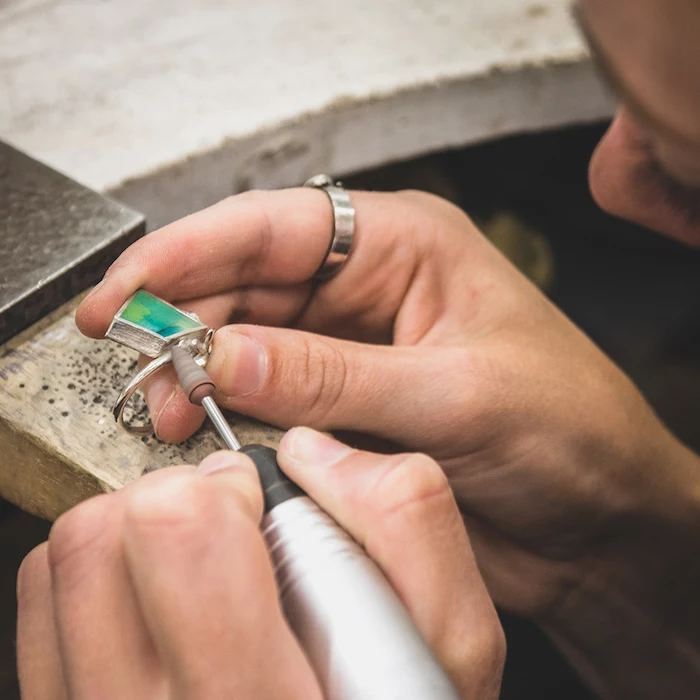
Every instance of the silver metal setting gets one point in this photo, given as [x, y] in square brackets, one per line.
[343, 226]
[200, 347]
[148, 342]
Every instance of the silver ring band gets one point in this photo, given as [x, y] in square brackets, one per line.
[343, 226]
[202, 347]
[130, 389]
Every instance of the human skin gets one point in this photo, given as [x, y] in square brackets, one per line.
[164, 590]
[647, 168]
[570, 485]
[583, 510]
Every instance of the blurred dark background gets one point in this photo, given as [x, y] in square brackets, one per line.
[634, 292]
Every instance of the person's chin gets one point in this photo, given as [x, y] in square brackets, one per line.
[626, 182]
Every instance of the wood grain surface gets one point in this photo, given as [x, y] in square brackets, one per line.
[58, 441]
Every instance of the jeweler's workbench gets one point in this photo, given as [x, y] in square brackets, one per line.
[58, 441]
[172, 106]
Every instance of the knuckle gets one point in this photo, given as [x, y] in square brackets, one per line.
[322, 379]
[489, 656]
[256, 196]
[176, 502]
[418, 197]
[185, 507]
[499, 649]
[476, 659]
[254, 206]
[414, 484]
[253, 202]
[127, 259]
[82, 533]
[432, 203]
[493, 646]
[33, 574]
[441, 227]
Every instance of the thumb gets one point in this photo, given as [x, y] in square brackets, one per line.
[401, 508]
[288, 377]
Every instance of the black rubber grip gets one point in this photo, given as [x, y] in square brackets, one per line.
[277, 487]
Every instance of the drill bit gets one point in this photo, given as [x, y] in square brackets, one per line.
[199, 389]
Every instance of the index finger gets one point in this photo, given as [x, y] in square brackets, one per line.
[276, 237]
[206, 586]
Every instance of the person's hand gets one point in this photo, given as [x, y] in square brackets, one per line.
[165, 589]
[548, 446]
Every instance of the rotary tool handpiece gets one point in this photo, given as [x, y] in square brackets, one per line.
[358, 637]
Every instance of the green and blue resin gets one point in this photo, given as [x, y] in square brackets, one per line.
[155, 315]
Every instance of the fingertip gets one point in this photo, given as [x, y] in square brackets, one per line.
[238, 473]
[284, 458]
[225, 459]
[305, 450]
[177, 419]
[174, 418]
[286, 441]
[330, 472]
[283, 447]
[95, 313]
[90, 317]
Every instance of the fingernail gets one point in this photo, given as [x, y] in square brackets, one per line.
[159, 393]
[308, 446]
[221, 460]
[239, 363]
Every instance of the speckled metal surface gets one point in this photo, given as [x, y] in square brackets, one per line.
[56, 238]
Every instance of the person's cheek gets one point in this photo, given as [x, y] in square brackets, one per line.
[626, 182]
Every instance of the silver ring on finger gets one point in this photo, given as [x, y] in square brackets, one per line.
[343, 226]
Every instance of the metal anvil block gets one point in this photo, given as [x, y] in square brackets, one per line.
[56, 238]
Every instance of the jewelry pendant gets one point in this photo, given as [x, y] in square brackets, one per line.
[152, 327]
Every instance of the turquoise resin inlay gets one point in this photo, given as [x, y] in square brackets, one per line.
[149, 312]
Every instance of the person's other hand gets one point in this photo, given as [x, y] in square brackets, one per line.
[165, 589]
[551, 451]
